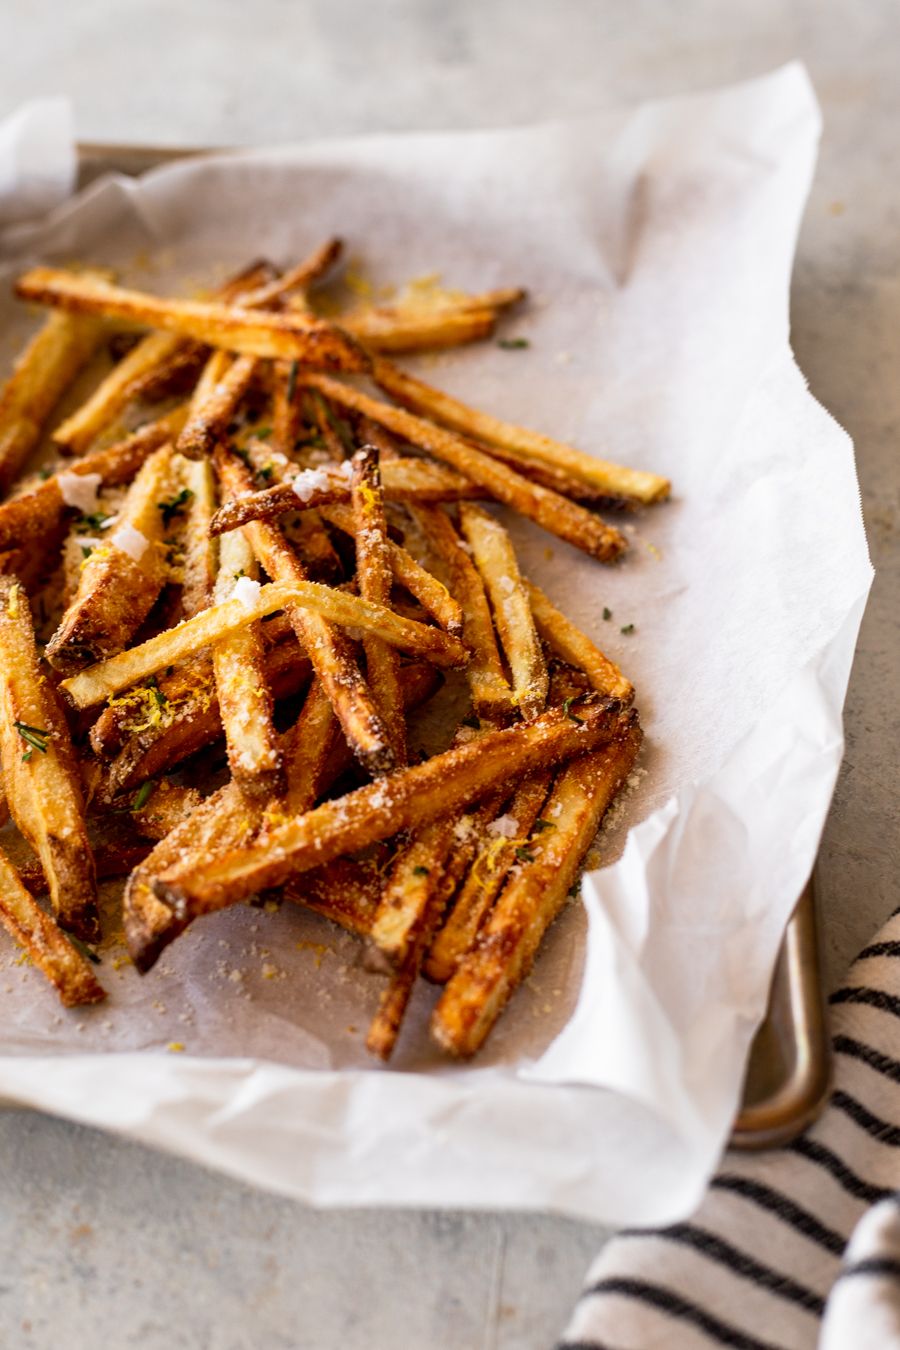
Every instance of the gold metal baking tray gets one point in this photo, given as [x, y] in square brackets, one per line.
[788, 1072]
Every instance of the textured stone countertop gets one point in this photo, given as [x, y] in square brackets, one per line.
[105, 1243]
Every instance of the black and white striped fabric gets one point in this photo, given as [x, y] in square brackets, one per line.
[768, 1261]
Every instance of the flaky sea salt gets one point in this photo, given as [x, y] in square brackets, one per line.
[504, 826]
[309, 482]
[130, 541]
[247, 591]
[79, 490]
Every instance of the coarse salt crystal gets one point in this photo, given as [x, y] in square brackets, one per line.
[504, 826]
[79, 490]
[310, 481]
[130, 541]
[247, 591]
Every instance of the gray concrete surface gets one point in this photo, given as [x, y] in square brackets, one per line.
[104, 1243]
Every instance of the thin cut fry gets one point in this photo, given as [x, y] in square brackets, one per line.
[390, 330]
[298, 278]
[121, 576]
[245, 700]
[410, 798]
[496, 854]
[374, 578]
[487, 977]
[491, 695]
[41, 375]
[345, 891]
[211, 414]
[612, 479]
[253, 332]
[495, 559]
[166, 805]
[557, 514]
[49, 949]
[149, 364]
[575, 647]
[39, 772]
[199, 549]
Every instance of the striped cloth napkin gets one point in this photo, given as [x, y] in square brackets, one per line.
[792, 1248]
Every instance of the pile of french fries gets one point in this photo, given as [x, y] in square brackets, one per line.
[224, 599]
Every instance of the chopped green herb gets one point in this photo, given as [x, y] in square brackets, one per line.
[44, 473]
[84, 950]
[292, 381]
[265, 473]
[263, 433]
[629, 628]
[313, 442]
[239, 573]
[169, 669]
[86, 550]
[513, 344]
[567, 709]
[242, 454]
[420, 871]
[471, 720]
[607, 613]
[173, 506]
[96, 520]
[524, 854]
[573, 890]
[34, 737]
[541, 824]
[142, 796]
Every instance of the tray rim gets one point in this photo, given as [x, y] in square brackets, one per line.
[798, 1096]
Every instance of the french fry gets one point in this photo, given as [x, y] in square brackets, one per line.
[561, 517]
[211, 414]
[492, 696]
[245, 700]
[558, 480]
[120, 578]
[408, 799]
[111, 861]
[345, 891]
[306, 748]
[487, 977]
[431, 593]
[575, 647]
[48, 948]
[495, 855]
[309, 270]
[145, 372]
[39, 771]
[250, 332]
[329, 651]
[158, 807]
[374, 578]
[612, 480]
[496, 560]
[387, 329]
[43, 372]
[198, 482]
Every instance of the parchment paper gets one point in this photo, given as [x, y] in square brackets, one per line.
[657, 246]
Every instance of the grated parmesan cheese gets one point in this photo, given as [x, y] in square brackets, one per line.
[247, 591]
[79, 490]
[506, 826]
[309, 482]
[129, 540]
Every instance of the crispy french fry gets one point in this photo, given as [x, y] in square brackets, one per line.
[306, 748]
[345, 891]
[431, 593]
[158, 807]
[613, 480]
[575, 647]
[39, 771]
[111, 861]
[329, 650]
[298, 278]
[120, 578]
[47, 946]
[557, 479]
[210, 415]
[495, 855]
[387, 329]
[374, 578]
[491, 695]
[250, 332]
[245, 700]
[145, 372]
[486, 978]
[198, 482]
[43, 372]
[496, 560]
[557, 514]
[408, 799]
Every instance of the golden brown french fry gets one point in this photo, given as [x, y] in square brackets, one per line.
[408, 799]
[111, 861]
[197, 497]
[491, 695]
[575, 647]
[48, 948]
[145, 372]
[557, 479]
[329, 650]
[496, 854]
[157, 808]
[211, 414]
[298, 278]
[486, 978]
[43, 372]
[387, 329]
[251, 332]
[431, 593]
[40, 775]
[374, 579]
[496, 560]
[563, 518]
[345, 891]
[121, 576]
[613, 480]
[245, 700]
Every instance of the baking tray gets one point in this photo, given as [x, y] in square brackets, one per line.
[789, 1068]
